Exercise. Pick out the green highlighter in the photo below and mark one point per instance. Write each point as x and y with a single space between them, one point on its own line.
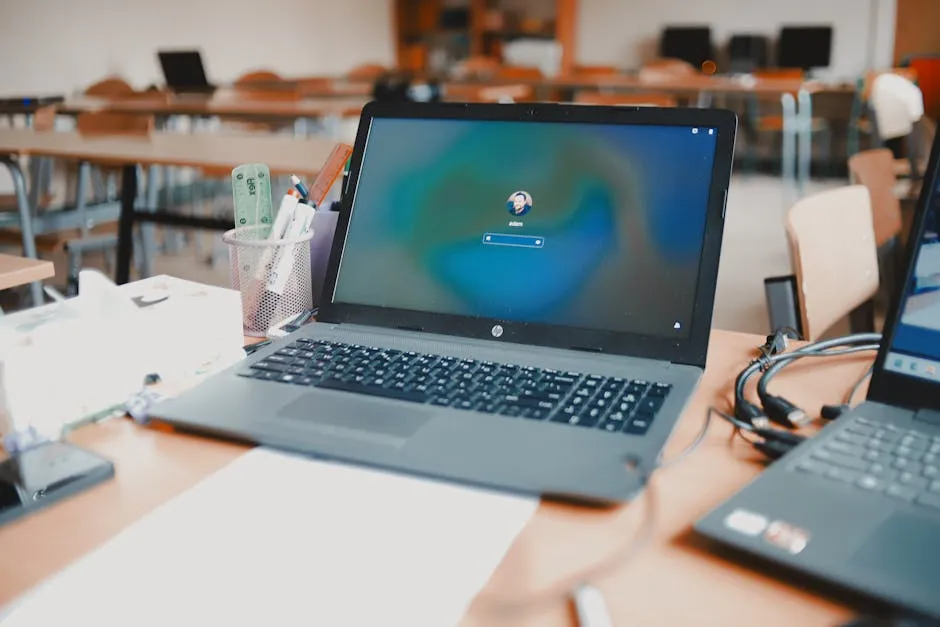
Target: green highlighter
251 192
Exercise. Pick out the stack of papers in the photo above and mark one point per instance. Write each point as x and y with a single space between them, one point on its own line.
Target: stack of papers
277 539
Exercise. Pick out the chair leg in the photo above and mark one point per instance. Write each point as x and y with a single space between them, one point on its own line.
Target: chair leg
862 318
26 221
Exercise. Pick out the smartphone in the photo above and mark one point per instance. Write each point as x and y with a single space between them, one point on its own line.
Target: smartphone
46 474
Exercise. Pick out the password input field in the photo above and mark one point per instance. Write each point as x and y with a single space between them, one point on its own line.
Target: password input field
510 239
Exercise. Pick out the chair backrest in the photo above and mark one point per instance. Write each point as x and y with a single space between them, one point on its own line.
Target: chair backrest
875 170
266 85
636 100
109 87
258 76
114 123
832 246
366 72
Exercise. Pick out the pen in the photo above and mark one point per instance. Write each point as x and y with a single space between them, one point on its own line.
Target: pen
590 608
299 186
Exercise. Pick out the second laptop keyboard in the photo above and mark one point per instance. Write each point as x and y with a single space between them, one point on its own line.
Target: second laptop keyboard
611 404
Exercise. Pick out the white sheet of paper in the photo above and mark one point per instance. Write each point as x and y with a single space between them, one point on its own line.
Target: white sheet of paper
276 539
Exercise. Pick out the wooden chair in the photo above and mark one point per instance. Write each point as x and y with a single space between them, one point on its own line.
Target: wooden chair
366 72
636 100
875 170
109 87
832 247
253 79
114 123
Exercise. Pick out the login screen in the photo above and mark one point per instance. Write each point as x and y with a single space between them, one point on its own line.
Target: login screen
582 225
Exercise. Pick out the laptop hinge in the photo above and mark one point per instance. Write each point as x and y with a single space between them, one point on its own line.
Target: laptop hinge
930 416
586 349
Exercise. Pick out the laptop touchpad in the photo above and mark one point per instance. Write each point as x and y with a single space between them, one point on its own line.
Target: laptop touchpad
346 414
902 549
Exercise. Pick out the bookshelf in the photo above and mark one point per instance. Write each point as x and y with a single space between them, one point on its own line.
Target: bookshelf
434 34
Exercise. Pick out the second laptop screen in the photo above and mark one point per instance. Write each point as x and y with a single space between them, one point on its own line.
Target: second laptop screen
581 225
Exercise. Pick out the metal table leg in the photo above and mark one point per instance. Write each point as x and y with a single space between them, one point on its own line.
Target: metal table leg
26 221
788 158
125 247
148 238
805 156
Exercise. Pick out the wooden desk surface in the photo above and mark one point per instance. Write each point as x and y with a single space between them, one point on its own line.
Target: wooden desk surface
16 271
671 581
224 102
283 154
679 84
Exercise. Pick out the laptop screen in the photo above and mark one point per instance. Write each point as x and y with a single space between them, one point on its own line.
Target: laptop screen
915 349
573 224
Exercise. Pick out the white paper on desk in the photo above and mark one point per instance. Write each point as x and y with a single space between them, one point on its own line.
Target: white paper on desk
275 539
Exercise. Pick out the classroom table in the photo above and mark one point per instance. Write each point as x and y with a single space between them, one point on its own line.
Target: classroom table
223 103
795 96
215 151
673 579
16 271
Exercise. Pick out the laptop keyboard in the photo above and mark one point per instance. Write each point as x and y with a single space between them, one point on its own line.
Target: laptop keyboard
610 404
903 464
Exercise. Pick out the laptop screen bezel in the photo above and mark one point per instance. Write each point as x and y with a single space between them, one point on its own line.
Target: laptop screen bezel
691 349
887 386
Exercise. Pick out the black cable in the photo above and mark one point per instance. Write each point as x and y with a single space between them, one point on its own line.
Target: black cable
751 413
850 397
693 446
778 408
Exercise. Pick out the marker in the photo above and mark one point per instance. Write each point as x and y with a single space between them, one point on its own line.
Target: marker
299 186
284 261
281 221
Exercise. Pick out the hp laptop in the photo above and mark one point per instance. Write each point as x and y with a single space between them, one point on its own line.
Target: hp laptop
518 296
184 72
859 505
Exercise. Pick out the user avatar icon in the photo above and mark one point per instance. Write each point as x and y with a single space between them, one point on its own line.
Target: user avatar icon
519 203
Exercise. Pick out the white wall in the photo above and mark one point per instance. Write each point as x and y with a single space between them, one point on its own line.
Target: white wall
58 46
624 32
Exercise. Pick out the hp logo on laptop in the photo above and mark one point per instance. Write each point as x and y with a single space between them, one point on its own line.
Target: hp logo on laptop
497 330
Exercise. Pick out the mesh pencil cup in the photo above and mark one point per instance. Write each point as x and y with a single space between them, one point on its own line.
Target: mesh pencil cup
273 276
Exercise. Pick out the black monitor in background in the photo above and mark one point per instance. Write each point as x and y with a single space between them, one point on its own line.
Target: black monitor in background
184 72
692 44
747 53
804 47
